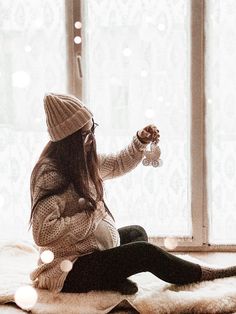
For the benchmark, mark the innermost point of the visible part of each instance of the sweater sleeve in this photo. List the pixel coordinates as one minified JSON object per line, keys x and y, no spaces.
{"x":48,"y":222}
{"x":114,"y":165}
{"x":49,"y":225}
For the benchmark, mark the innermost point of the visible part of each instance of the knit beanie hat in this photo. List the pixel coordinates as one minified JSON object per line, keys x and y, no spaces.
{"x":65,"y":114}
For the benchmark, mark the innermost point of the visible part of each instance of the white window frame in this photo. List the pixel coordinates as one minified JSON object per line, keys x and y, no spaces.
{"x":200,"y":223}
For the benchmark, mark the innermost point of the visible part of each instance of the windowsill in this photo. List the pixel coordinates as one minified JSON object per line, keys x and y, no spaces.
{"x":223,"y":259}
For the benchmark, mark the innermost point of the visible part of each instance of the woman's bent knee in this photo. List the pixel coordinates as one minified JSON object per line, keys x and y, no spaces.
{"x":139,"y":233}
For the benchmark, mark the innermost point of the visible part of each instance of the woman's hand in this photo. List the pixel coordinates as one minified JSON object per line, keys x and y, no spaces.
{"x":149,"y":134}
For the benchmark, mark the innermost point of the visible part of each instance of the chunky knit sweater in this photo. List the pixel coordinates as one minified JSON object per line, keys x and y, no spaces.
{"x":58,"y":225}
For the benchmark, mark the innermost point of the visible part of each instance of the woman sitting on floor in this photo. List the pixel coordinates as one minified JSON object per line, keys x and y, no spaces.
{"x":70,"y":218}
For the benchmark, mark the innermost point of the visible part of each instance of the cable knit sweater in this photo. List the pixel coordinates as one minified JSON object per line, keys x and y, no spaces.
{"x":59,"y":227}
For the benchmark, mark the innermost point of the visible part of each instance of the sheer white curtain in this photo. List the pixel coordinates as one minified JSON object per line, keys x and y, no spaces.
{"x":137,"y":71}
{"x":33,"y":59}
{"x":220,"y":119}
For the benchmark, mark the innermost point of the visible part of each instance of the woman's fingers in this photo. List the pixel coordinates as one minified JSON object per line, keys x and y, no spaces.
{"x":150,"y":133}
{"x":154,"y":133}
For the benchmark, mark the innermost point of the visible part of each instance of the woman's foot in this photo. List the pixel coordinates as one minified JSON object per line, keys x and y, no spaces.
{"x":214,"y":273}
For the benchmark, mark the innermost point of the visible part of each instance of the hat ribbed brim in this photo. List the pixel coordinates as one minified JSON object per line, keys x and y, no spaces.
{"x":70,"y":125}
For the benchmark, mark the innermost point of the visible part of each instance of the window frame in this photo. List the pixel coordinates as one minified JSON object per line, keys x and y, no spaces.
{"x":198,"y":168}
{"x":73,"y":13}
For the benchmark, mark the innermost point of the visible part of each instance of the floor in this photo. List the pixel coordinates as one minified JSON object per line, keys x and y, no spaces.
{"x":224,"y":259}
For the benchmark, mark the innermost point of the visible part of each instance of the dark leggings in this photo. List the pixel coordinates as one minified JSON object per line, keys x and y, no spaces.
{"x":102,"y":269}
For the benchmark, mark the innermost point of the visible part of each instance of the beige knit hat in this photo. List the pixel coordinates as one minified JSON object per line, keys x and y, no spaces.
{"x":65,"y":114}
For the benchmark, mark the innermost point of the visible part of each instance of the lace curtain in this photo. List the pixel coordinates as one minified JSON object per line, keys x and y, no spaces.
{"x":32,"y":61}
{"x":220,"y":119}
{"x":137,"y":71}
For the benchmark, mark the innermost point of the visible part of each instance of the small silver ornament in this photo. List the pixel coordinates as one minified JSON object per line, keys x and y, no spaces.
{"x":152,"y":156}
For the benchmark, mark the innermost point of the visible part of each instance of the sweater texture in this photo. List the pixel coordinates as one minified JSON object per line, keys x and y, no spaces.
{"x":58,"y":226}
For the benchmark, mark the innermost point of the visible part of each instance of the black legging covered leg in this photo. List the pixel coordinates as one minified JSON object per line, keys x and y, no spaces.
{"x":100,"y":269}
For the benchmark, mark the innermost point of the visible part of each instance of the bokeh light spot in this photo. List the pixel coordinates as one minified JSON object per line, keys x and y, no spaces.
{"x":25,"y":297}
{"x":28,"y":48}
{"x":20,"y":79}
{"x":144,"y":73}
{"x":66,"y":266}
{"x":77,"y":40}
{"x":149,"y":113}
{"x":78,"y":25}
{"x":47,"y":256}
{"x":127,"y":52}
{"x":171,"y":243}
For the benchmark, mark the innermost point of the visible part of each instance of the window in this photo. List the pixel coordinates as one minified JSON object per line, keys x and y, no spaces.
{"x":220,"y":119}
{"x":137,"y":69}
{"x":144,"y":61}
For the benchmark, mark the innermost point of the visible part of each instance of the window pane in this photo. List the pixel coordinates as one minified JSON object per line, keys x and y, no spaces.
{"x":137,"y":72}
{"x":32,"y":62}
{"x":220,"y":119}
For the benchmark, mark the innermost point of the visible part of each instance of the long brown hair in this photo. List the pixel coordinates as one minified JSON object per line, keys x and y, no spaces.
{"x":73,"y":165}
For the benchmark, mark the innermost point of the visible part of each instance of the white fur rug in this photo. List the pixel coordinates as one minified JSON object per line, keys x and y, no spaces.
{"x":154,"y":295}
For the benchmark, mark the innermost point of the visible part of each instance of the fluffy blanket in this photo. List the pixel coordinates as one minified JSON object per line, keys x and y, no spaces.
{"x":154,"y":295}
